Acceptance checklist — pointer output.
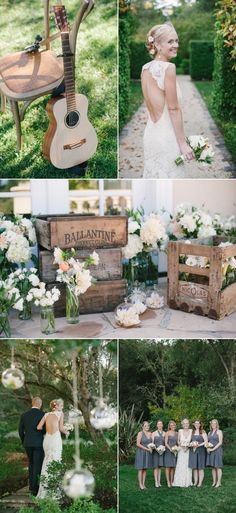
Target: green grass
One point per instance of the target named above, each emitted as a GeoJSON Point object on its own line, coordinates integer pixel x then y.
{"type": "Point", "coordinates": [96, 77]}
{"type": "Point", "coordinates": [179, 500]}
{"type": "Point", "coordinates": [228, 129]}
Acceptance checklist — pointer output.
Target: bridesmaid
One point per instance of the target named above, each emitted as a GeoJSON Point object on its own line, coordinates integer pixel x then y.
{"type": "Point", "coordinates": [197, 458]}
{"type": "Point", "coordinates": [143, 458]}
{"type": "Point", "coordinates": [215, 455]}
{"type": "Point", "coordinates": [171, 439]}
{"type": "Point", "coordinates": [158, 438]}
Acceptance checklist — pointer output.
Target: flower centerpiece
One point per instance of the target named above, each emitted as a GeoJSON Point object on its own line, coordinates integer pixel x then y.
{"type": "Point", "coordinates": [17, 237]}
{"type": "Point", "coordinates": [202, 150]}
{"type": "Point", "coordinates": [45, 299]}
{"type": "Point", "coordinates": [9, 298]}
{"type": "Point", "coordinates": [76, 276]}
{"type": "Point", "coordinates": [24, 279]}
{"type": "Point", "coordinates": [190, 222]}
{"type": "Point", "coordinates": [146, 234]}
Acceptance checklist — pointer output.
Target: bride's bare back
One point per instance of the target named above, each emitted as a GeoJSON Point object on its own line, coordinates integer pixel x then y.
{"type": "Point", "coordinates": [52, 423]}
{"type": "Point", "coordinates": [154, 97]}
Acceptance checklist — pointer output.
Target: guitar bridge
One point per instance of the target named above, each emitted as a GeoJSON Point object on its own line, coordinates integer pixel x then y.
{"type": "Point", "coordinates": [74, 145]}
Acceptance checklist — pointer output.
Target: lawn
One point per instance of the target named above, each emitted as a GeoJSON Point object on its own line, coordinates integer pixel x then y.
{"type": "Point", "coordinates": [164, 500]}
{"type": "Point", "coordinates": [96, 77]}
{"type": "Point", "coordinates": [228, 129]}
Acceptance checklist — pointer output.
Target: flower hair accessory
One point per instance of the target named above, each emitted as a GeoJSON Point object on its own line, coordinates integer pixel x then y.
{"type": "Point", "coordinates": [151, 39]}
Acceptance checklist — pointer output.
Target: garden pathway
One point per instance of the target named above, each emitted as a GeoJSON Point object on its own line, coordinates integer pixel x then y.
{"type": "Point", "coordinates": [13, 502]}
{"type": "Point", "coordinates": [197, 120]}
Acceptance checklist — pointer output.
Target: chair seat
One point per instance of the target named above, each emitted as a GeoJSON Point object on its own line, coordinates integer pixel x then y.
{"type": "Point", "coordinates": [24, 75]}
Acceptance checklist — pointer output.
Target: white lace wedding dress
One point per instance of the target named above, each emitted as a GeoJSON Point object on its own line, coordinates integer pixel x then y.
{"type": "Point", "coordinates": [52, 446]}
{"type": "Point", "coordinates": [160, 144]}
{"type": "Point", "coordinates": [183, 474]}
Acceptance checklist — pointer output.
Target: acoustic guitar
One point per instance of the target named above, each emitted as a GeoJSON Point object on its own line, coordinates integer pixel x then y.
{"type": "Point", "coordinates": [70, 138]}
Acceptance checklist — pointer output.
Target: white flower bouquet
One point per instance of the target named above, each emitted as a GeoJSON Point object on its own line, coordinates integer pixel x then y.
{"type": "Point", "coordinates": [208, 446]}
{"type": "Point", "coordinates": [194, 445]}
{"type": "Point", "coordinates": [185, 446]}
{"type": "Point", "coordinates": [175, 449]}
{"type": "Point", "coordinates": [202, 150]}
{"type": "Point", "coordinates": [9, 298]}
{"type": "Point", "coordinates": [17, 237]}
{"type": "Point", "coordinates": [160, 449]}
{"type": "Point", "coordinates": [73, 272]}
{"type": "Point", "coordinates": [151, 446]}
{"type": "Point", "coordinates": [24, 279]}
{"type": "Point", "coordinates": [42, 297]}
{"type": "Point", "coordinates": [69, 428]}
{"type": "Point", "coordinates": [127, 318]}
{"type": "Point", "coordinates": [190, 222]}
{"type": "Point", "coordinates": [154, 301]}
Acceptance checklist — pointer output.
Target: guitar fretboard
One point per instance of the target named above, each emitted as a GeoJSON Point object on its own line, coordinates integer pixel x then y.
{"type": "Point", "coordinates": [68, 72]}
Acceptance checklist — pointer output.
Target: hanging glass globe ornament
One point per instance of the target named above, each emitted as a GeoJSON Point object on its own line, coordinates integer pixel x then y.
{"type": "Point", "coordinates": [13, 378]}
{"type": "Point", "coordinates": [78, 482]}
{"type": "Point", "coordinates": [75, 416]}
{"type": "Point", "coordinates": [103, 416]}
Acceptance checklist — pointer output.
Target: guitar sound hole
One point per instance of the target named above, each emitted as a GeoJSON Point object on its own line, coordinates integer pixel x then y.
{"type": "Point", "coordinates": [72, 119]}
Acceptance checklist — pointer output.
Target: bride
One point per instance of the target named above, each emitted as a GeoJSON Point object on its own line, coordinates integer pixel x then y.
{"type": "Point", "coordinates": [183, 474]}
{"type": "Point", "coordinates": [52, 444]}
{"type": "Point", "coordinates": [164, 138]}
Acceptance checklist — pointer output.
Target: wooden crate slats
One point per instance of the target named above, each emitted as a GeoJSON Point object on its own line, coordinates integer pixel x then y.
{"type": "Point", "coordinates": [102, 297]}
{"type": "Point", "coordinates": [83, 232]}
{"type": "Point", "coordinates": [109, 267]}
{"type": "Point", "coordinates": [199, 298]}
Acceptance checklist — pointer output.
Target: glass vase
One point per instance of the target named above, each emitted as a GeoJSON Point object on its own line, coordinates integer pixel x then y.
{"type": "Point", "coordinates": [72, 305]}
{"type": "Point", "coordinates": [47, 320]}
{"type": "Point", "coordinates": [5, 328]}
{"type": "Point", "coordinates": [142, 269]}
{"type": "Point", "coordinates": [26, 313]}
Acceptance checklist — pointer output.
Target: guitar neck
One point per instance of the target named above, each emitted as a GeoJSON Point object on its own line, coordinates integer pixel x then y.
{"type": "Point", "coordinates": [68, 72]}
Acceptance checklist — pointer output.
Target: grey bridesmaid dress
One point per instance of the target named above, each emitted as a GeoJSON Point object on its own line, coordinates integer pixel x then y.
{"type": "Point", "coordinates": [158, 460]}
{"type": "Point", "coordinates": [215, 458]}
{"type": "Point", "coordinates": [170, 458]}
{"type": "Point", "coordinates": [144, 459]}
{"type": "Point", "coordinates": [197, 459]}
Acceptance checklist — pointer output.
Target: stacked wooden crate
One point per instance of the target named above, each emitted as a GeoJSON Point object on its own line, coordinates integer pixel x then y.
{"type": "Point", "coordinates": [104, 234]}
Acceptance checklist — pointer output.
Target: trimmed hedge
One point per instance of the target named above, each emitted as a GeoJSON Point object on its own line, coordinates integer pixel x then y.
{"type": "Point", "coordinates": [124, 70]}
{"type": "Point", "coordinates": [224, 97]}
{"type": "Point", "coordinates": [201, 59]}
{"type": "Point", "coordinates": [138, 57]}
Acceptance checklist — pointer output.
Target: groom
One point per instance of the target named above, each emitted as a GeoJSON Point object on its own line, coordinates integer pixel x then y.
{"type": "Point", "coordinates": [33, 442]}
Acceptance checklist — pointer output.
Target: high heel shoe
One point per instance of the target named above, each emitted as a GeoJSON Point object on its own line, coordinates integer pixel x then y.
{"type": "Point", "coordinates": [217, 485]}
{"type": "Point", "coordinates": [214, 484]}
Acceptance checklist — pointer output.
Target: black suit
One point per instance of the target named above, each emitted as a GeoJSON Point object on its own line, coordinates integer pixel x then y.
{"type": "Point", "coordinates": [32, 439]}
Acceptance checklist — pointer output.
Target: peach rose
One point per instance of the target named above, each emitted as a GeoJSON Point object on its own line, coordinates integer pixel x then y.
{"type": "Point", "coordinates": [64, 266]}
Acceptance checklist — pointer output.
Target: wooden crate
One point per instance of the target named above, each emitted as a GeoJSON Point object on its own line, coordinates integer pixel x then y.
{"type": "Point", "coordinates": [200, 298]}
{"type": "Point", "coordinates": [82, 232]}
{"type": "Point", "coordinates": [109, 267]}
{"type": "Point", "coordinates": [102, 297]}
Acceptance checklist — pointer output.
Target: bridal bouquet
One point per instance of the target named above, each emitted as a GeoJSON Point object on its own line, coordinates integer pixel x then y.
{"type": "Point", "coordinates": [185, 446]}
{"type": "Point", "coordinates": [194, 445]}
{"type": "Point", "coordinates": [208, 446]}
{"type": "Point", "coordinates": [202, 150]}
{"type": "Point", "coordinates": [17, 236]}
{"type": "Point", "coordinates": [69, 428]}
{"type": "Point", "coordinates": [151, 446]}
{"type": "Point", "coordinates": [175, 449]}
{"type": "Point", "coordinates": [160, 449]}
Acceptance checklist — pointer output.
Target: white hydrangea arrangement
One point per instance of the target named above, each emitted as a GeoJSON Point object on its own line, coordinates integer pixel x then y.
{"type": "Point", "coordinates": [42, 297]}
{"type": "Point", "coordinates": [17, 237]}
{"type": "Point", "coordinates": [24, 279]}
{"type": "Point", "coordinates": [191, 222]}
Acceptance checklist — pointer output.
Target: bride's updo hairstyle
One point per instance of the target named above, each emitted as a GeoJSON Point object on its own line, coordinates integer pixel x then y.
{"type": "Point", "coordinates": [155, 36]}
{"type": "Point", "coordinates": [56, 402]}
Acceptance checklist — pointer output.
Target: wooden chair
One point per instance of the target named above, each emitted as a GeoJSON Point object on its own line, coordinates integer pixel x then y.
{"type": "Point", "coordinates": [27, 76]}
